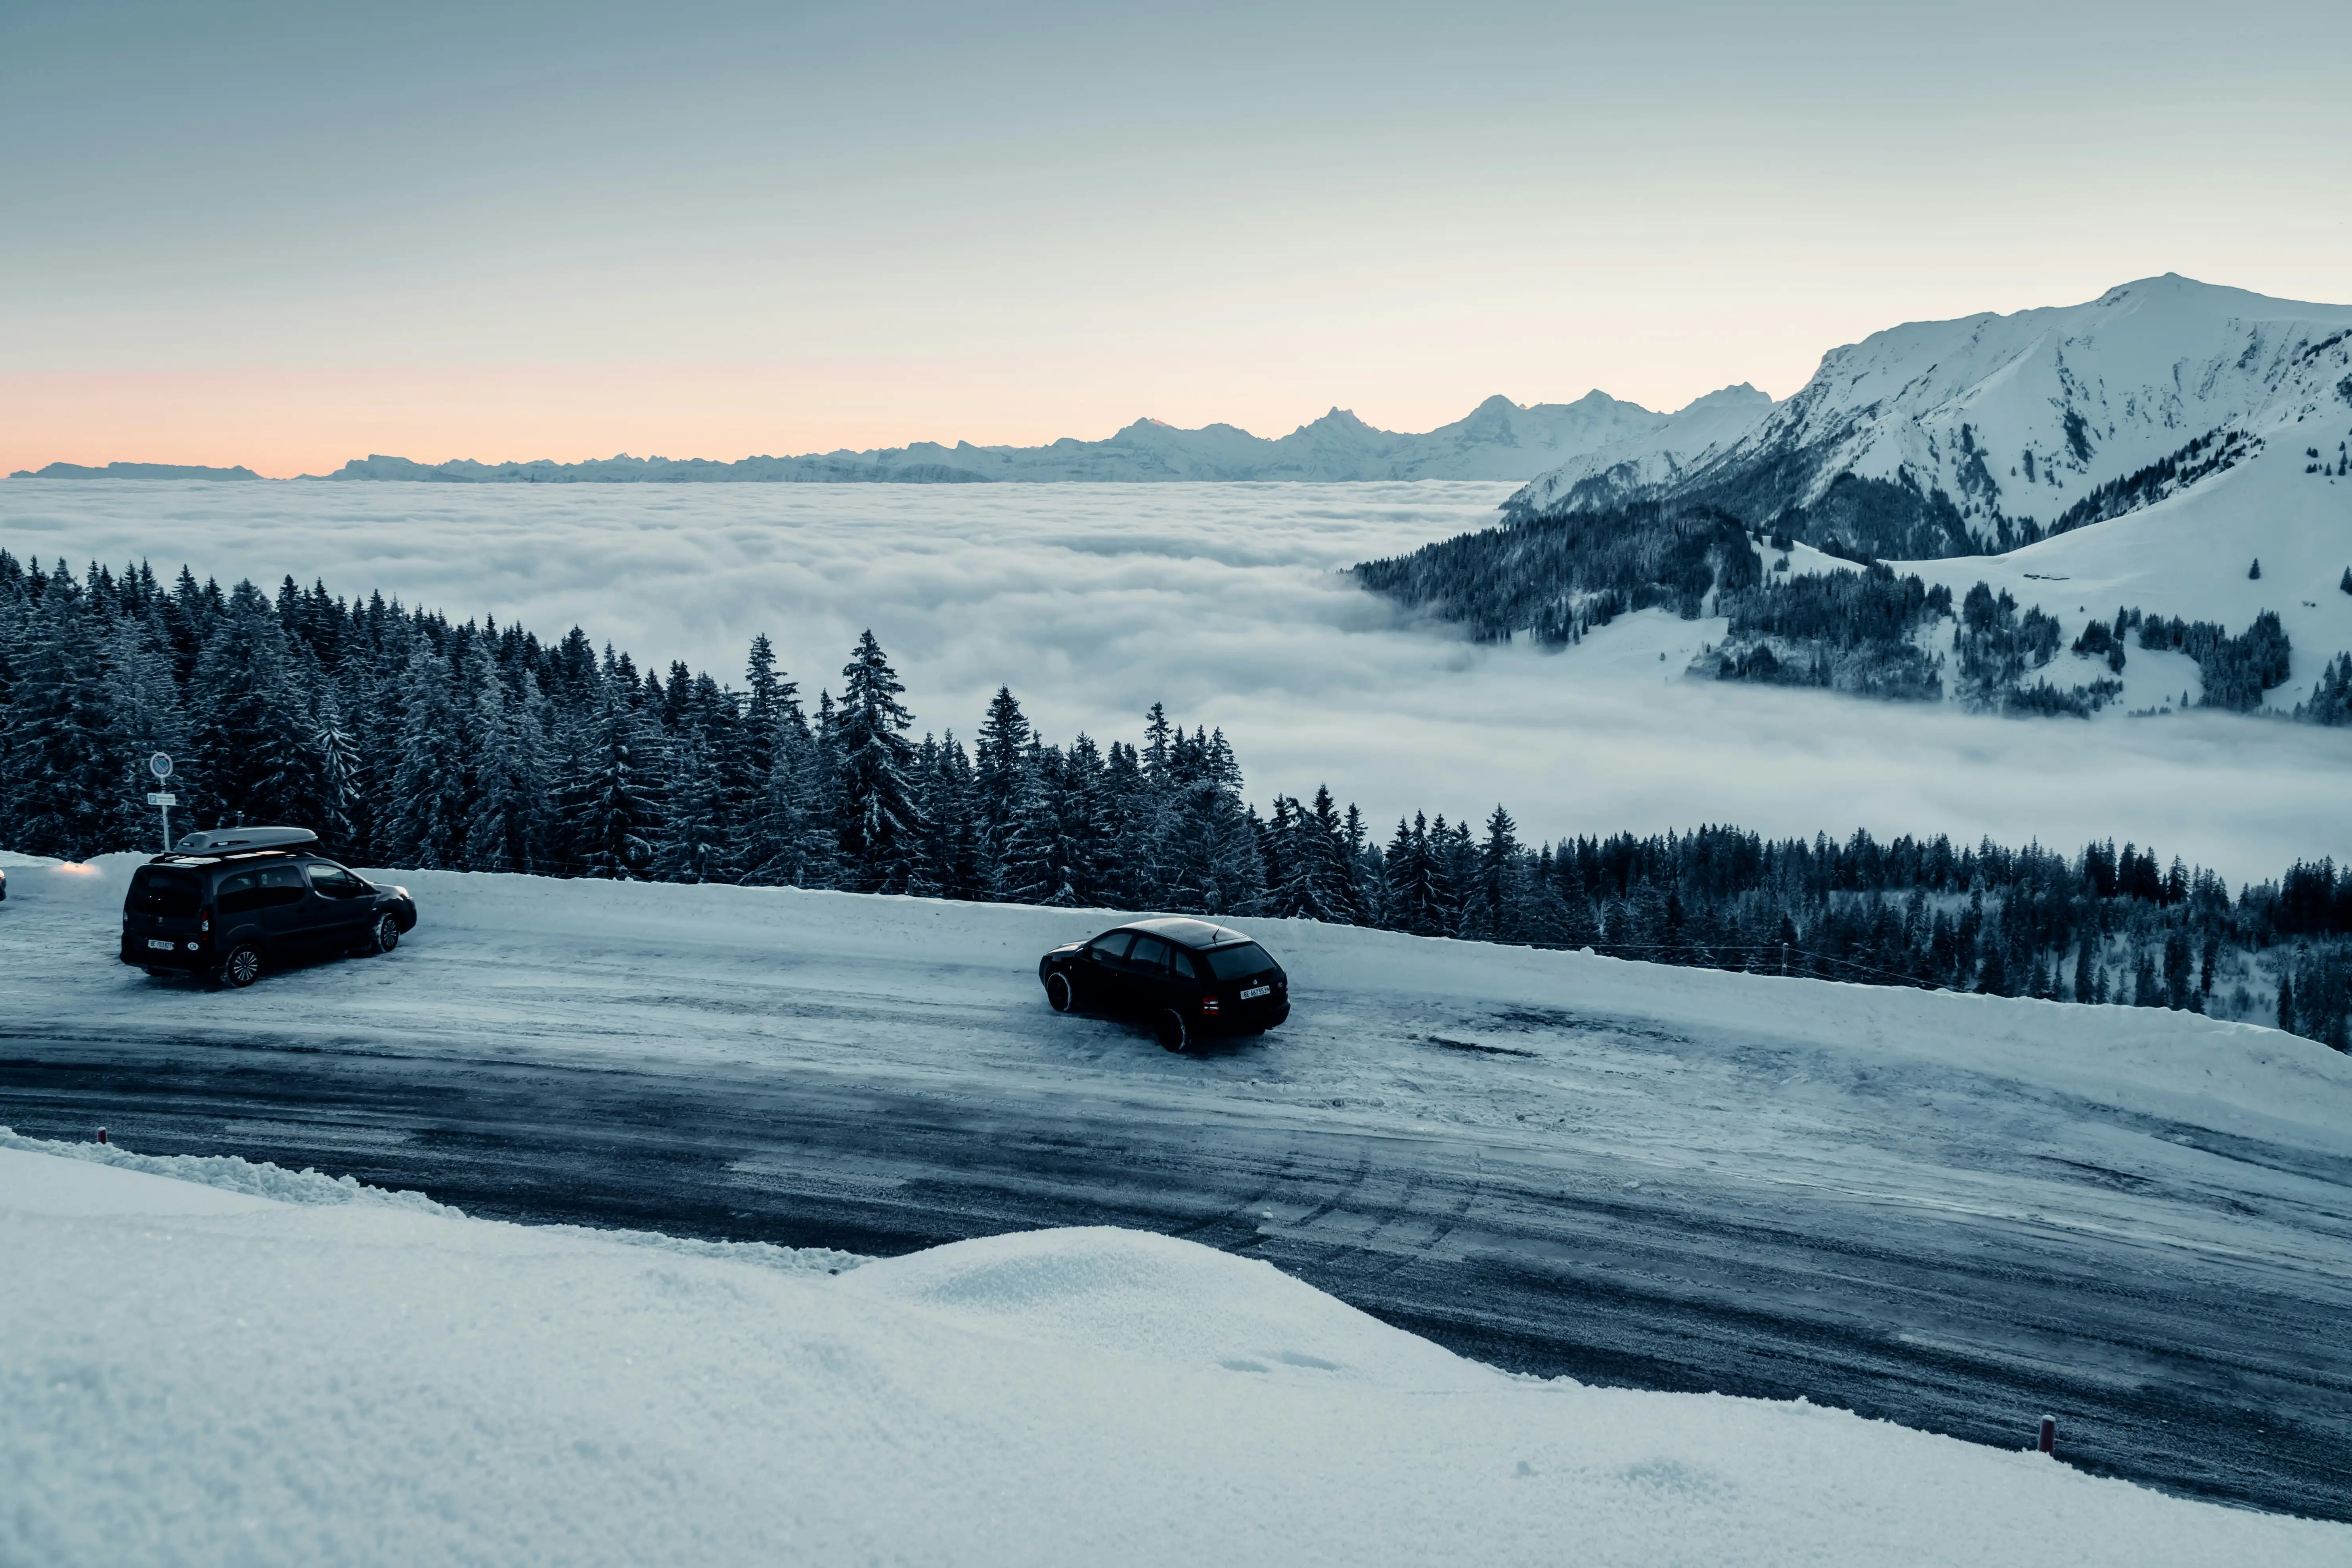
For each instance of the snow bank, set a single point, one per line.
(200, 1379)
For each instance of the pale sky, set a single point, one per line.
(288, 235)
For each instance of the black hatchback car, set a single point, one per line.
(229, 903)
(1189, 979)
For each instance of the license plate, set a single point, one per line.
(1251, 990)
(159, 944)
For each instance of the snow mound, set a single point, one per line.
(225, 1173)
(352, 1384)
(1134, 1293)
(41, 1183)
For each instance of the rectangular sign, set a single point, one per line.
(162, 797)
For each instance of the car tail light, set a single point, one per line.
(1209, 1004)
(204, 918)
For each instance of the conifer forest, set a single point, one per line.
(407, 740)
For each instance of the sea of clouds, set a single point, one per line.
(1229, 604)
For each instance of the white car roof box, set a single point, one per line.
(226, 840)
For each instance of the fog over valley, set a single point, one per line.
(1228, 603)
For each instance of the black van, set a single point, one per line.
(229, 903)
(1187, 978)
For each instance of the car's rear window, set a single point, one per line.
(162, 891)
(1236, 963)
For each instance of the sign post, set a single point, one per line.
(161, 766)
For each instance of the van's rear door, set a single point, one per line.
(158, 912)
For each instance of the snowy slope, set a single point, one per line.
(2015, 418)
(1651, 462)
(2190, 556)
(194, 1378)
(1496, 440)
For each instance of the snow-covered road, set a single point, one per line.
(1955, 1212)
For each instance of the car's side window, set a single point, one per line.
(1111, 948)
(1150, 957)
(333, 881)
(281, 885)
(1182, 962)
(240, 894)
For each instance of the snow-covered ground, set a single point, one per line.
(2133, 1214)
(196, 1375)
(1094, 601)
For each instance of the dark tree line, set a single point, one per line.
(1558, 577)
(411, 741)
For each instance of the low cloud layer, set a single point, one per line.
(1225, 602)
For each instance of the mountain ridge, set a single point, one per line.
(1498, 439)
(1987, 432)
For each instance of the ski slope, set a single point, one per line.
(1959, 1211)
(195, 1375)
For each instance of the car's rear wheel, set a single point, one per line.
(242, 967)
(1060, 994)
(1175, 1032)
(385, 936)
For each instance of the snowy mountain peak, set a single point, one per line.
(1981, 433)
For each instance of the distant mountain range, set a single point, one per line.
(133, 471)
(1496, 440)
(1939, 439)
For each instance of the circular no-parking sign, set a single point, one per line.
(160, 765)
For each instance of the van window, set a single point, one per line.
(161, 890)
(240, 894)
(280, 886)
(1238, 963)
(334, 882)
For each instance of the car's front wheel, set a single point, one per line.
(1175, 1031)
(242, 967)
(385, 936)
(1060, 994)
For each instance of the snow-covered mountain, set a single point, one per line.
(1946, 438)
(1496, 440)
(1652, 461)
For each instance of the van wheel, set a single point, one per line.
(1060, 994)
(242, 967)
(1175, 1034)
(385, 936)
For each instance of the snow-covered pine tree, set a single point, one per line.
(1500, 893)
(613, 808)
(693, 844)
(880, 824)
(339, 766)
(62, 754)
(430, 788)
(1001, 759)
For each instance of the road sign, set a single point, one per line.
(162, 797)
(160, 765)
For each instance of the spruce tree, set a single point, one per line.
(695, 845)
(1001, 759)
(612, 810)
(430, 792)
(880, 826)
